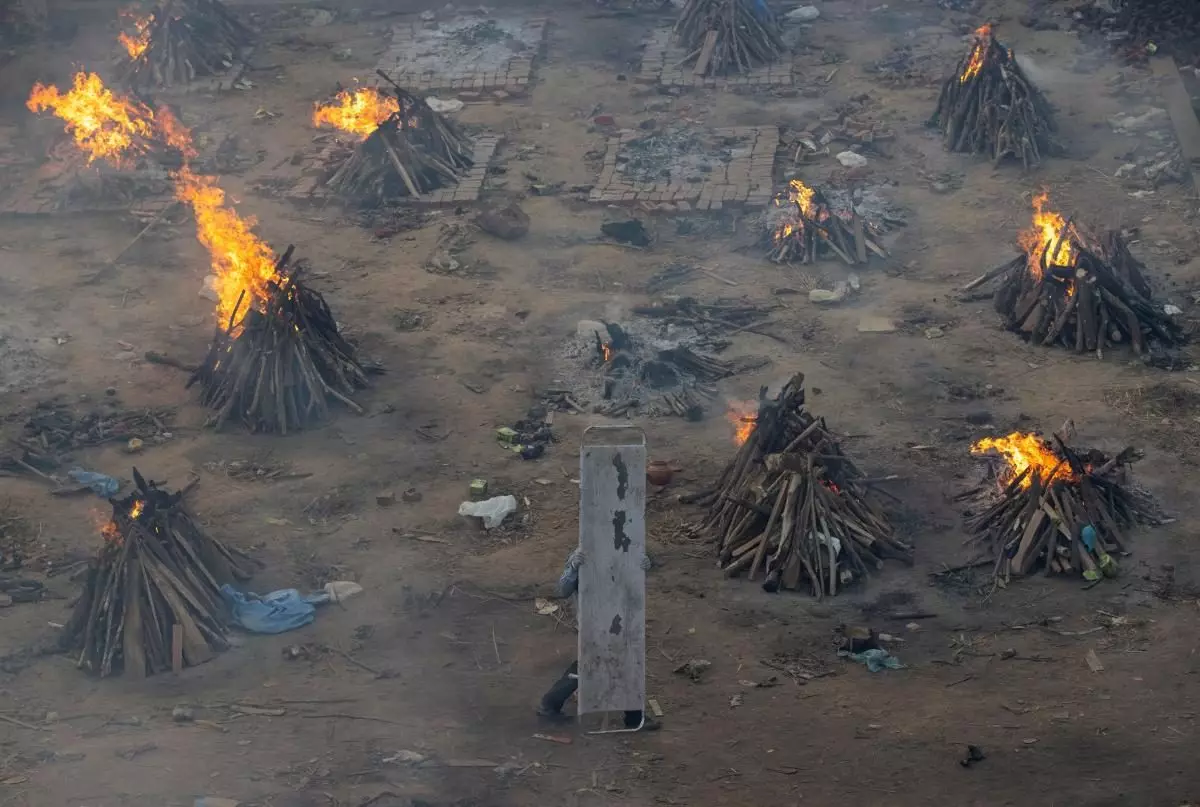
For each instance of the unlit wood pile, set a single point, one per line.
(1101, 299)
(792, 505)
(1066, 517)
(183, 39)
(728, 36)
(155, 570)
(989, 106)
(281, 365)
(811, 230)
(413, 152)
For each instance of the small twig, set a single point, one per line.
(496, 646)
(335, 715)
(22, 723)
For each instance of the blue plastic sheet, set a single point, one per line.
(277, 612)
(876, 659)
(101, 484)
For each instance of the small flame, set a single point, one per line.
(743, 415)
(136, 510)
(983, 40)
(111, 533)
(802, 196)
(356, 111)
(606, 352)
(1027, 451)
(103, 124)
(139, 42)
(1048, 229)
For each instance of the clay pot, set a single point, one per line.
(659, 472)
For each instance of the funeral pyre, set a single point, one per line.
(403, 148)
(1050, 508)
(806, 228)
(792, 506)
(279, 361)
(152, 600)
(1078, 290)
(180, 40)
(728, 36)
(663, 366)
(989, 106)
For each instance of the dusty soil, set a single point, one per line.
(453, 624)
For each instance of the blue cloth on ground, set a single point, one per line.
(876, 659)
(101, 484)
(277, 612)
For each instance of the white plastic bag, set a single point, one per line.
(493, 511)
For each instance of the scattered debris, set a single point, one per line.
(694, 668)
(1093, 662)
(507, 222)
(630, 231)
(974, 754)
(529, 436)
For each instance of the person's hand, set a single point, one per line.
(646, 564)
(576, 558)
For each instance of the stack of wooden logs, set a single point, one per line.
(413, 152)
(728, 36)
(1100, 299)
(811, 230)
(989, 106)
(1066, 518)
(152, 599)
(181, 40)
(792, 505)
(280, 366)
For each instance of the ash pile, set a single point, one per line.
(678, 154)
(653, 366)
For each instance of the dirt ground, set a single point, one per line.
(453, 624)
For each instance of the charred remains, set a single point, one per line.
(728, 36)
(1054, 509)
(181, 40)
(152, 599)
(990, 107)
(791, 505)
(810, 230)
(278, 368)
(412, 152)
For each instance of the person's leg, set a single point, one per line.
(557, 696)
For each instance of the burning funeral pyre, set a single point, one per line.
(1079, 291)
(808, 229)
(405, 149)
(792, 505)
(728, 36)
(180, 40)
(279, 360)
(990, 107)
(152, 599)
(1055, 509)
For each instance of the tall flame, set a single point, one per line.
(983, 40)
(1048, 229)
(802, 196)
(743, 415)
(136, 510)
(241, 261)
(1027, 451)
(356, 111)
(139, 42)
(103, 124)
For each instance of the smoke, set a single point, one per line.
(1052, 79)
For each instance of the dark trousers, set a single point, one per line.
(557, 696)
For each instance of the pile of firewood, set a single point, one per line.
(809, 229)
(794, 506)
(278, 368)
(152, 599)
(1055, 509)
(1083, 293)
(183, 39)
(53, 431)
(413, 152)
(728, 36)
(989, 106)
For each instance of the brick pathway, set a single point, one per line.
(661, 65)
(513, 76)
(745, 180)
(468, 188)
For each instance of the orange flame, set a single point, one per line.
(136, 510)
(137, 44)
(111, 533)
(1027, 451)
(1048, 229)
(802, 196)
(606, 352)
(241, 261)
(983, 40)
(103, 124)
(743, 415)
(356, 111)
